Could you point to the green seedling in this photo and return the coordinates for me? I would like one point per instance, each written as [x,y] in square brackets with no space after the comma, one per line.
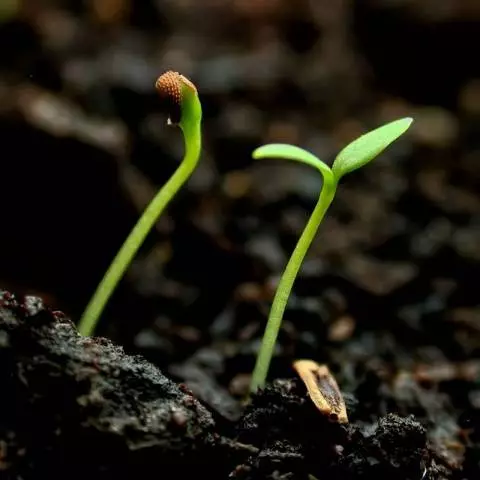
[353,156]
[181,98]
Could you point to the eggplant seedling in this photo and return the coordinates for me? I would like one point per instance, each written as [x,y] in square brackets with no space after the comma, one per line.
[353,156]
[181,98]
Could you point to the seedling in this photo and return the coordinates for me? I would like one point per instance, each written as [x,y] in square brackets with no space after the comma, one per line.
[353,156]
[181,98]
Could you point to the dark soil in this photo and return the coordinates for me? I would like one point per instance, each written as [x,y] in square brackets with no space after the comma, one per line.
[74,406]
[388,297]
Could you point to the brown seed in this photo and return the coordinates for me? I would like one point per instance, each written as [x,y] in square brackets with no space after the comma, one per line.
[169,86]
[323,389]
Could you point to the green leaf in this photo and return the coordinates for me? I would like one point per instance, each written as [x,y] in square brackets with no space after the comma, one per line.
[368,146]
[291,152]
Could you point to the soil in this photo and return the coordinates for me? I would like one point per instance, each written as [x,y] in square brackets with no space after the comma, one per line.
[388,295]
[70,401]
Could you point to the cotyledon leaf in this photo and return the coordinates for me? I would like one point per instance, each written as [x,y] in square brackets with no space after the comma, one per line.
[368,146]
[291,152]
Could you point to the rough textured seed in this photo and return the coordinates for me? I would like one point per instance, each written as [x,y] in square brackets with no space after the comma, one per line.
[323,389]
[169,86]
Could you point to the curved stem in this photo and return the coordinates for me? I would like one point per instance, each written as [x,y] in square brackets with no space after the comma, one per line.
[285,285]
[91,315]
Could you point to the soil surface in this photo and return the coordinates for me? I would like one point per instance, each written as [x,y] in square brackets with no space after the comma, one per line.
[80,406]
[387,298]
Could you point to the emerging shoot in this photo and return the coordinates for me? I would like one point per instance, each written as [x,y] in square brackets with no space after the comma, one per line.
[355,155]
[181,98]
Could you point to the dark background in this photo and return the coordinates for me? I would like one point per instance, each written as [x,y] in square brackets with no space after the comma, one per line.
[85,146]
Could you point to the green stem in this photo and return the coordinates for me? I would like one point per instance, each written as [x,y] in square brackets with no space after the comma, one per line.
[192,139]
[285,285]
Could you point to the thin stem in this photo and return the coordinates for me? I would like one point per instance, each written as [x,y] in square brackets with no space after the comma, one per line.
[91,315]
[285,285]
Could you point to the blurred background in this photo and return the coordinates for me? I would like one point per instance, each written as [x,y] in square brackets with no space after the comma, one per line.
[85,146]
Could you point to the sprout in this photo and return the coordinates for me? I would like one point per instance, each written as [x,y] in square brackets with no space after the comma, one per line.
[353,156]
[181,98]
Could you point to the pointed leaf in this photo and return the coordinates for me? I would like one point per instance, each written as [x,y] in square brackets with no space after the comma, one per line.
[368,146]
[291,152]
